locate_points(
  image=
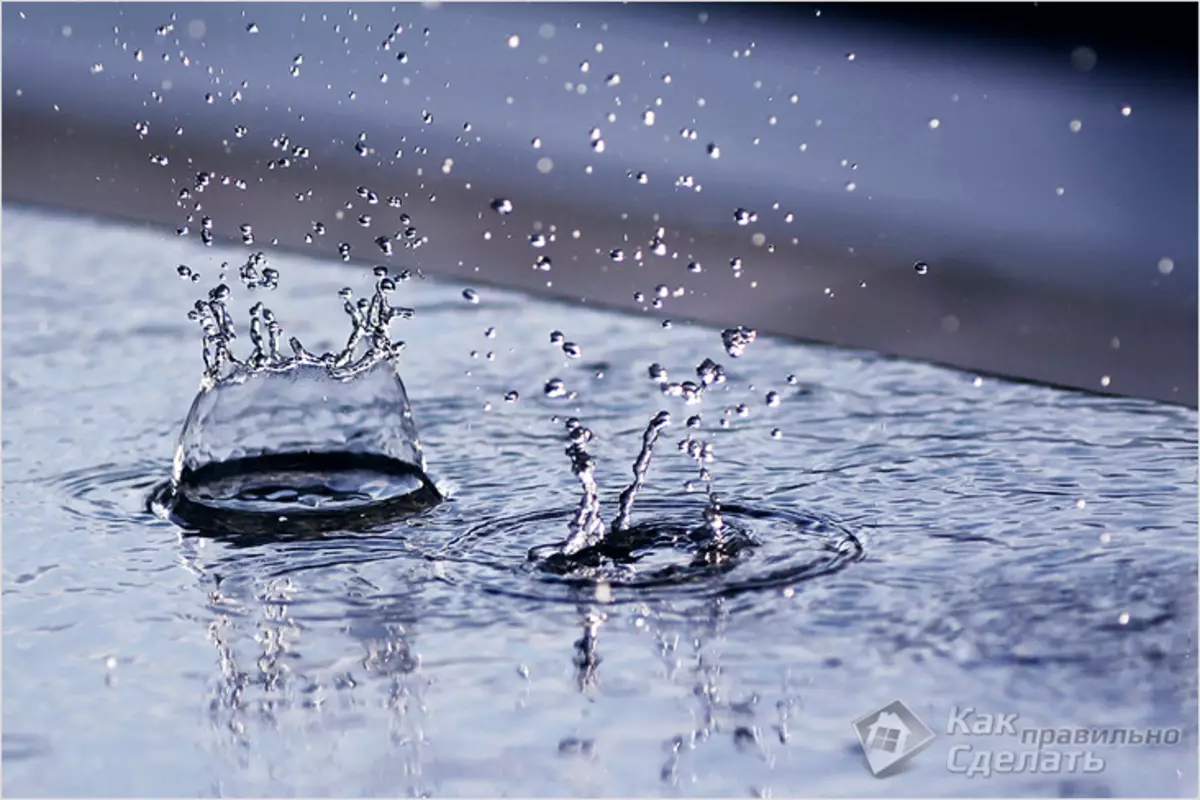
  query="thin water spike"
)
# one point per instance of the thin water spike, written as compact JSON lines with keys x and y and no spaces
{"x":258,"y":357}
{"x":640,"y":467}
{"x":587,"y":529}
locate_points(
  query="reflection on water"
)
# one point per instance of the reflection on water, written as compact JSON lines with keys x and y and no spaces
{"x":1013,"y":548}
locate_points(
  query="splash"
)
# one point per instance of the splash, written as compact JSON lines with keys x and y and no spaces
{"x":369,"y":343}
{"x":295,"y":439}
{"x":587,"y":528}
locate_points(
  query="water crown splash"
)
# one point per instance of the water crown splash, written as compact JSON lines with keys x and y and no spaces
{"x":298,"y":438}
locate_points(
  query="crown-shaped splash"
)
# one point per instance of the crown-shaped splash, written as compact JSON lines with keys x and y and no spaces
{"x":286,"y":436}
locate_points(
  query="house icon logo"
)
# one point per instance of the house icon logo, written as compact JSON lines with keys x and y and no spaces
{"x":890,"y":737}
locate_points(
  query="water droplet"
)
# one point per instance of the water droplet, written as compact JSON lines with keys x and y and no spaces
{"x":744,"y":217}
{"x":1076,"y":126}
{"x":470,"y":295}
{"x":694,"y":266}
{"x":776,"y":433}
{"x":512,"y":397}
{"x":648,"y":116}
{"x":850,"y":56}
{"x":934,"y":124}
{"x":556,"y":337}
{"x":773,"y":399}
{"x":502,"y":206}
{"x":514,"y":41}
{"x":544,"y":165}
{"x":1166,"y":266}
{"x":572,"y":350}
{"x":851,"y":186}
{"x":714,"y":151}
{"x":1126,"y":111}
{"x":617,"y":255}
{"x":613,"y":79}
{"x":555,"y":388}
{"x":921,"y":268}
{"x":598,"y":145}
{"x":736,"y":339}
{"x":1105,"y":380}
{"x":543,"y":264}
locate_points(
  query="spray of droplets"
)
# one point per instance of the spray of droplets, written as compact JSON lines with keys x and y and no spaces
{"x":369,"y":343}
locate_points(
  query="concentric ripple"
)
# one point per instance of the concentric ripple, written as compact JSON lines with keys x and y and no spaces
{"x":669,"y":554}
{"x":107,"y":493}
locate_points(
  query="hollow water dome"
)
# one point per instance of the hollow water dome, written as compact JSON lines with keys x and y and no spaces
{"x":305,"y":441}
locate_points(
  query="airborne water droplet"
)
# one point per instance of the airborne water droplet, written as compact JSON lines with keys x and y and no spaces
{"x":502,"y":206}
{"x":470,"y":295}
{"x":921,"y":267}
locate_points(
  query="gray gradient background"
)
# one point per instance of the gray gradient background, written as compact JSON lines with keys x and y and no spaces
{"x":1038,"y":285}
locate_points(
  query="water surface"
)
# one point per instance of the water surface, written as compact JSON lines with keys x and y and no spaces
{"x":1025,"y":550}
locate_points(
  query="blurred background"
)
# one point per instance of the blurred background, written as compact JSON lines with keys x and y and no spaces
{"x":1040,"y":161}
